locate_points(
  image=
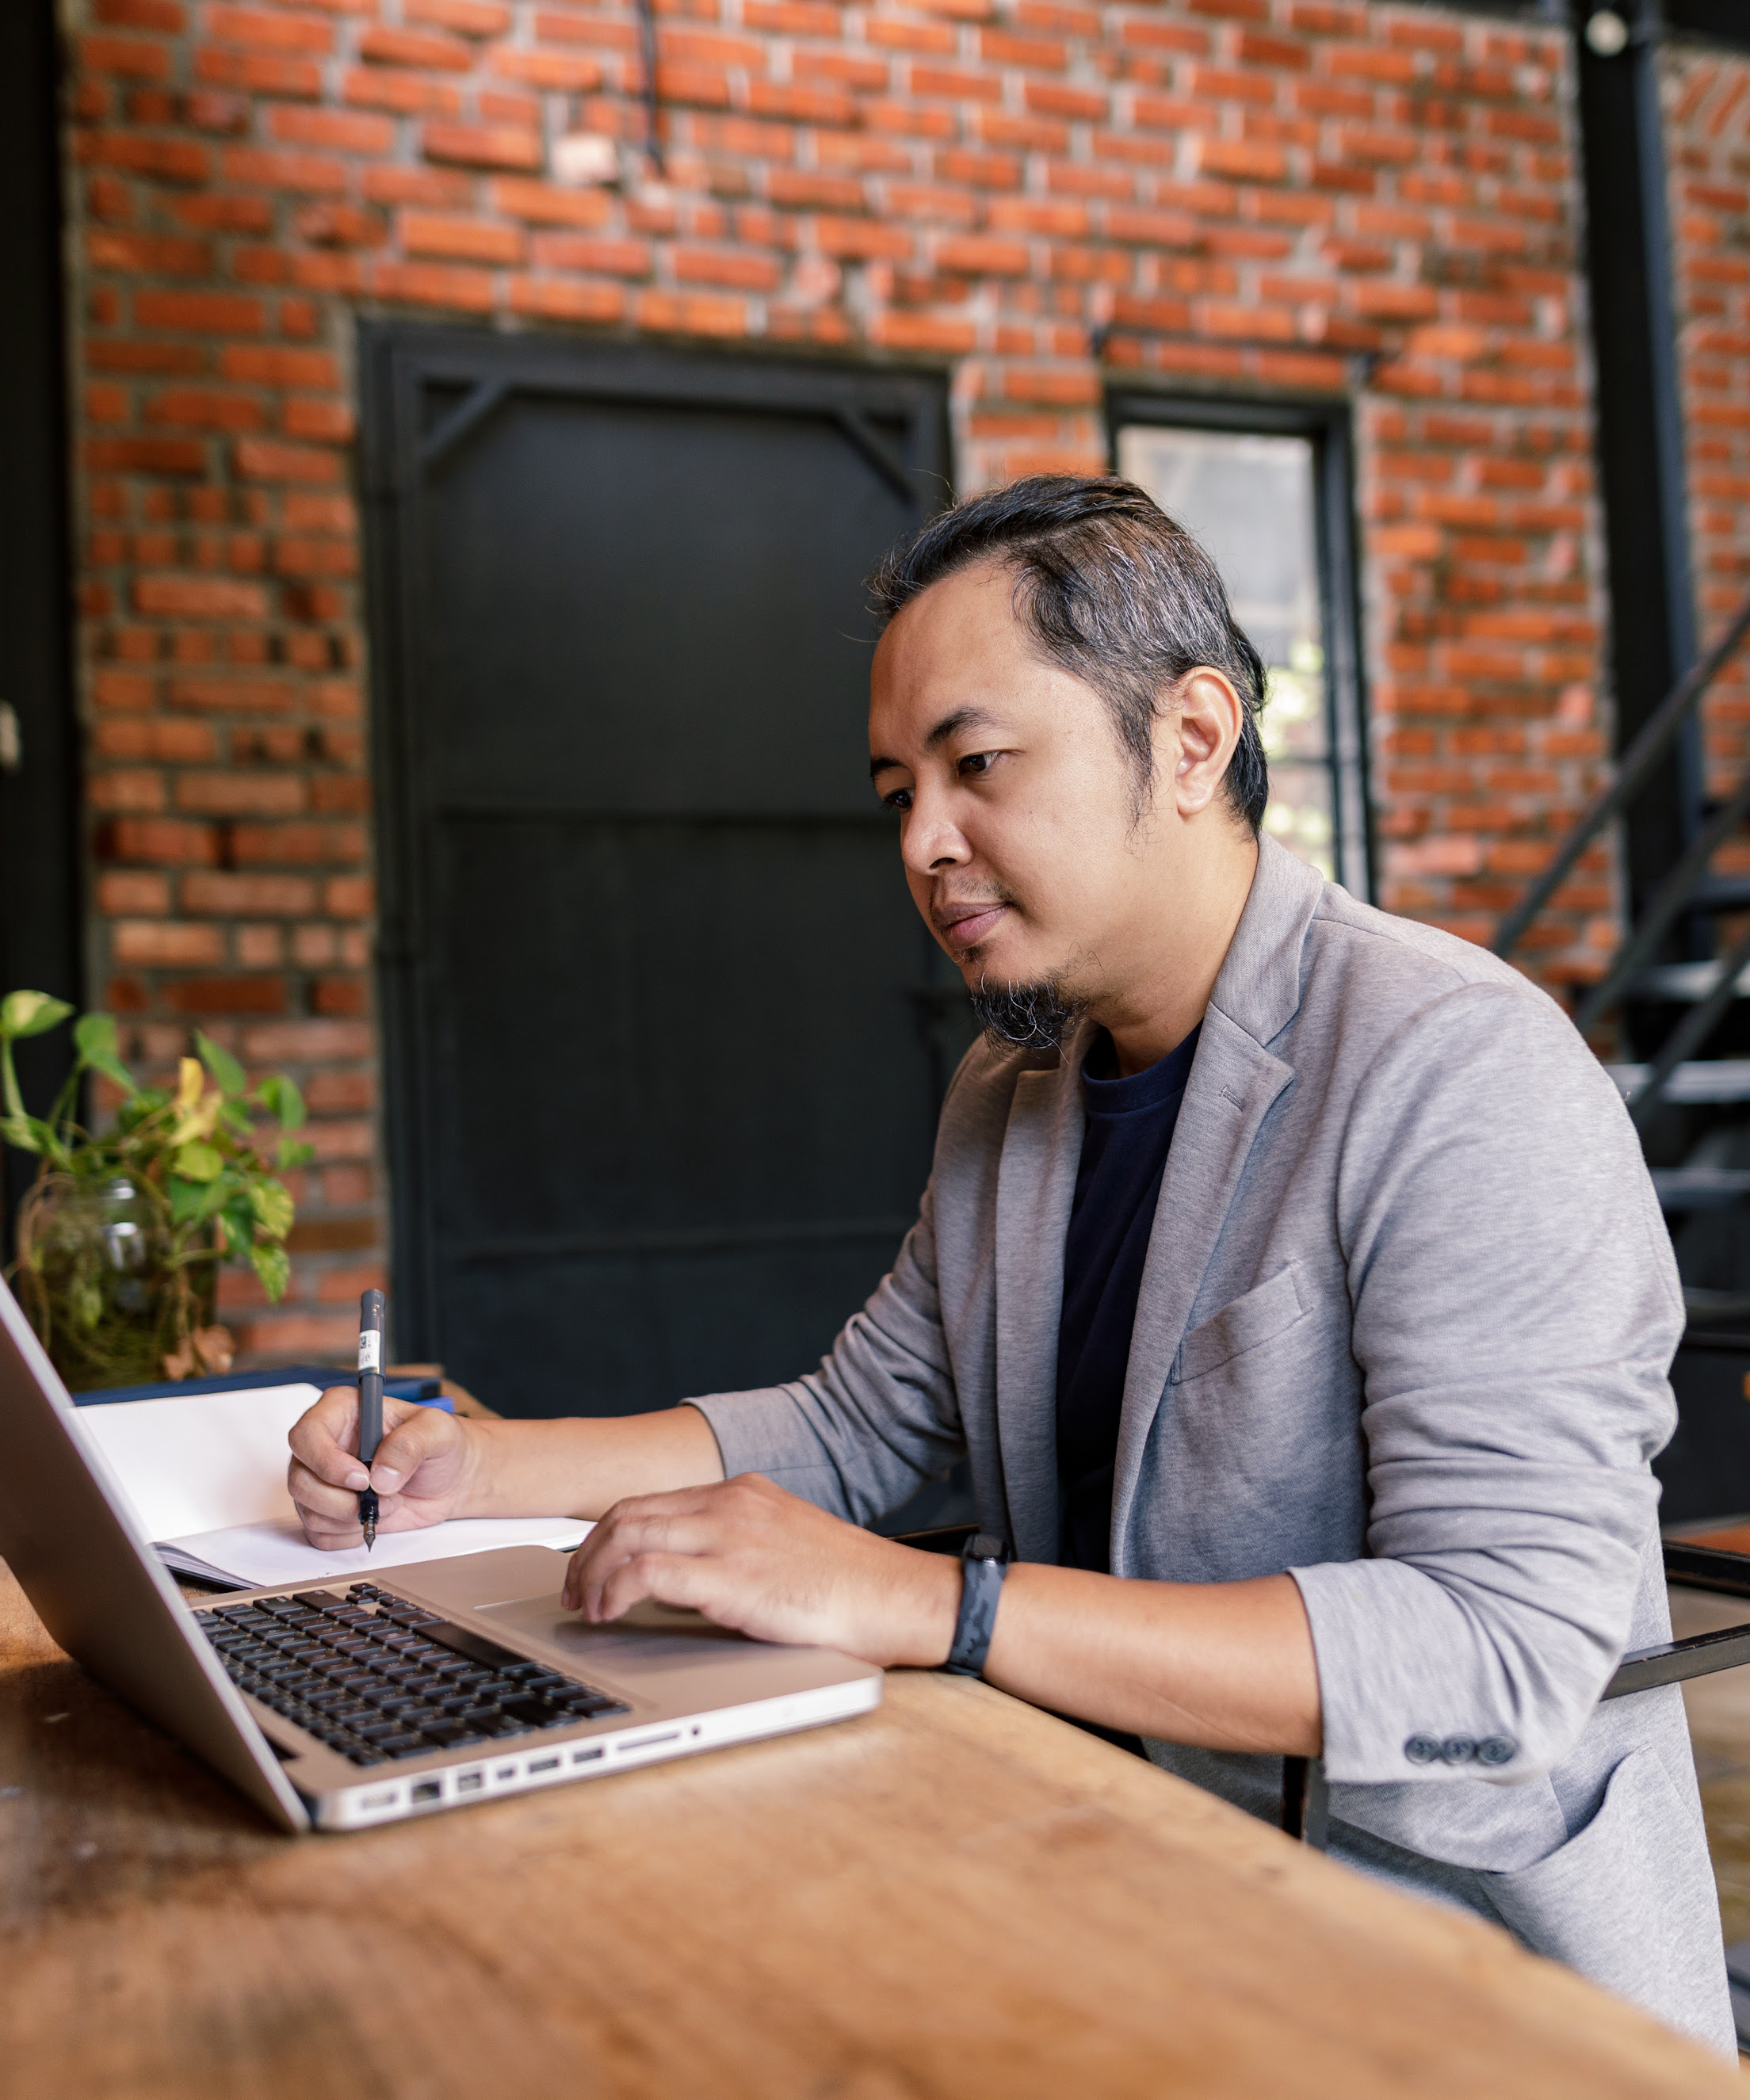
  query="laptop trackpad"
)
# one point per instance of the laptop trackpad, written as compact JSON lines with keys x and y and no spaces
{"x":682,"y":1637}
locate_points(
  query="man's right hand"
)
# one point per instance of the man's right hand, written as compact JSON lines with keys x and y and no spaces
{"x":420,"y":1472}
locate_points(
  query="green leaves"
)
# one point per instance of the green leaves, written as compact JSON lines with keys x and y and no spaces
{"x":236,"y":1222}
{"x":193,"y":1202}
{"x":223,"y":1067}
{"x":273,"y":1266}
{"x":200,"y":1156}
{"x":30,"y":1134}
{"x":24,"y":1014}
{"x":271,"y":1204}
{"x":282,"y":1101}
{"x":197,"y":1161}
{"x":139,"y":1109}
{"x":281,"y":1098}
{"x":95,"y":1034}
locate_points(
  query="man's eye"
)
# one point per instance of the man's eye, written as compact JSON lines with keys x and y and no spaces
{"x":899,"y":799}
{"x":977,"y":761}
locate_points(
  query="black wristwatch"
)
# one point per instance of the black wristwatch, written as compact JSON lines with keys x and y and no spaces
{"x":983,"y":1561}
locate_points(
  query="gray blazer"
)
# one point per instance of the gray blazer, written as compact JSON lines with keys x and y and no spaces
{"x":1404,"y":1332}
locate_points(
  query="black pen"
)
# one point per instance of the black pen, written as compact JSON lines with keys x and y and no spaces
{"x":371,"y":1307}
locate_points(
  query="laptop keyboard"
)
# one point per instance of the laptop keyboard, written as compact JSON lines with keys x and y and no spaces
{"x":376,"y":1678}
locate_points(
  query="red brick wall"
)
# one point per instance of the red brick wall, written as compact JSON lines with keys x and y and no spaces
{"x":1257,"y":195}
{"x":1707,"y":115}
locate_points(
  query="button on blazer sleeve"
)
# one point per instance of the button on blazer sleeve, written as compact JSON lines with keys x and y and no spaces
{"x":1515,"y":1310}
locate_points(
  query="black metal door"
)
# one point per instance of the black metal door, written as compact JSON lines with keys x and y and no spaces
{"x":662,"y":1028}
{"x":41,"y":836}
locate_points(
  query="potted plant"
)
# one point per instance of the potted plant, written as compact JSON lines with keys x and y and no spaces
{"x":121,"y":1236}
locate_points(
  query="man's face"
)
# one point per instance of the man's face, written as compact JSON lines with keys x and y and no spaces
{"x":1017,"y":824}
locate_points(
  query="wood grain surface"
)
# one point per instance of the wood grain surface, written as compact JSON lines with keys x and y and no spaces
{"x":956,"y":1896}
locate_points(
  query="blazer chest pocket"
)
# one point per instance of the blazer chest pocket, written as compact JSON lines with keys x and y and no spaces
{"x":1247,"y":1323}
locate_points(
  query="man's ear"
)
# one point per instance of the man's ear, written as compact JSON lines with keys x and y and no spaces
{"x":1210,"y":717}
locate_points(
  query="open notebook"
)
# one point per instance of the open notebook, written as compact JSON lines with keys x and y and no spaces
{"x":205,"y":1474}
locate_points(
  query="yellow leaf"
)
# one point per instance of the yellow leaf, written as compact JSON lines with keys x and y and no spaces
{"x":201,"y":1122}
{"x":195,"y":1118}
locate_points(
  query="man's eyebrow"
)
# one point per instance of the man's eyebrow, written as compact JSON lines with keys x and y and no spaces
{"x":950,"y":725}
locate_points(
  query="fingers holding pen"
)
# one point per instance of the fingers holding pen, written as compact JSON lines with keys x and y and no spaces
{"x":413,"y":1437}
{"x":418,"y":1475}
{"x":323,"y":1474}
{"x":325,"y":1439}
{"x":325,"y":1443}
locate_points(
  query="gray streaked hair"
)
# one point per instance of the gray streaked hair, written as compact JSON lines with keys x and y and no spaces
{"x":1114,"y":591}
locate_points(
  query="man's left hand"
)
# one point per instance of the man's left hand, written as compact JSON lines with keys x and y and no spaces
{"x":749,"y":1555}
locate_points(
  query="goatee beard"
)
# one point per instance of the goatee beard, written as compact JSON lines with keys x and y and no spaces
{"x":1026,"y":1017}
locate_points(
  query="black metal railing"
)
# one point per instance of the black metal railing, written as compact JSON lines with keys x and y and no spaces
{"x":1674,"y":893}
{"x":1699,"y":1655}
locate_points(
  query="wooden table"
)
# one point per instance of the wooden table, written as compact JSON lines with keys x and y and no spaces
{"x":956,"y":1897}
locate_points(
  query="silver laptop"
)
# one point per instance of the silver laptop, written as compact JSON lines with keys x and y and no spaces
{"x":346,"y":1703}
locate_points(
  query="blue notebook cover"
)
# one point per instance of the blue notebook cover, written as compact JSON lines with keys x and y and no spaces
{"x":425,"y":1391}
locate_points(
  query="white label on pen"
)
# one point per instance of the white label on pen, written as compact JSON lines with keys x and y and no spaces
{"x":370,"y":1349}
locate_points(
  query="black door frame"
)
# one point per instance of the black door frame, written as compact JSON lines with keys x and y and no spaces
{"x":1640,"y":440}
{"x":1326,"y":421}
{"x":399,"y":363}
{"x":1711,"y":21}
{"x":41,"y":842}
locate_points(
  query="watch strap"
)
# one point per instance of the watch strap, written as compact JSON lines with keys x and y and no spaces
{"x":982,"y":1565}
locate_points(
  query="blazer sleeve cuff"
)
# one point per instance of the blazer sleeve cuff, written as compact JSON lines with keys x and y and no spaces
{"x":766,"y":1431}
{"x":1404,"y":1692}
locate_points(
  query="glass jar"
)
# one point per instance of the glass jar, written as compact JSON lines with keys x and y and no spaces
{"x":96,"y":1280}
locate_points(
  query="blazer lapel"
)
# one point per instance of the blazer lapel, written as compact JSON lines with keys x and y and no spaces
{"x":1035,"y":1186}
{"x":1233,"y":1084}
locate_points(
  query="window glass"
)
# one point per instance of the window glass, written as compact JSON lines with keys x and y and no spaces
{"x":1249,"y":499}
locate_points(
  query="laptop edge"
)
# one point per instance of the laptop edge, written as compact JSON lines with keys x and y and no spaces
{"x":677,"y":1684}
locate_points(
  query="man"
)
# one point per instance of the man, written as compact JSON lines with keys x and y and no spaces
{"x":1289,"y":1272}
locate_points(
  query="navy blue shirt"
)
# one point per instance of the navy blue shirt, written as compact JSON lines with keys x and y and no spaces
{"x":1124,"y":1154}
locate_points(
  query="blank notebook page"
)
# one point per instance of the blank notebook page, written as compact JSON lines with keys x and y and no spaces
{"x":203,"y":1461}
{"x":204,"y":1473}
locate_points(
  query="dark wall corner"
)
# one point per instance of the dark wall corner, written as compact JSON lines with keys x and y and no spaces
{"x":40,"y":859}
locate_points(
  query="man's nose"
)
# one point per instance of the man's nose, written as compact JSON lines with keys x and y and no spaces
{"x":930,"y":841}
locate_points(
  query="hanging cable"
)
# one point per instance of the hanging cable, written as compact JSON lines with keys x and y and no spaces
{"x":646,"y":16}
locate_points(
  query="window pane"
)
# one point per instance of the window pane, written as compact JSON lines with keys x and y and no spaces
{"x":1299,"y":812}
{"x":1249,"y":500}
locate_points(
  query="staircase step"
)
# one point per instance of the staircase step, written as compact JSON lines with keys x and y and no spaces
{"x":1703,"y":1079}
{"x":1686,"y":984}
{"x":1720,"y":893}
{"x":1701,"y":1188}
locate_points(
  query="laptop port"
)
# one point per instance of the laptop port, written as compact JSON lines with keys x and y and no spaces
{"x":428,"y":1789}
{"x":543,"y":1764}
{"x":470,"y":1782}
{"x":586,"y":1757}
